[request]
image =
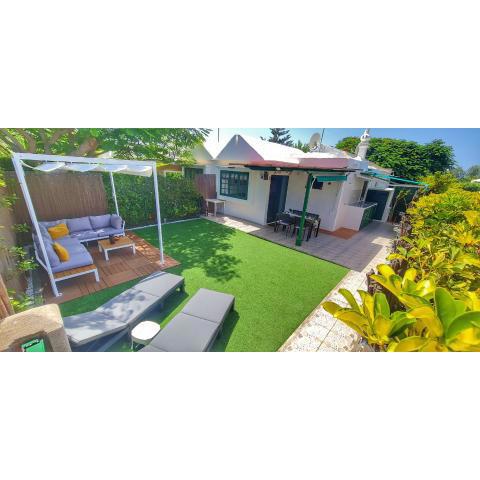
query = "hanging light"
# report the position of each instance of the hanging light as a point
(49, 166)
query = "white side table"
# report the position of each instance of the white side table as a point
(215, 202)
(144, 332)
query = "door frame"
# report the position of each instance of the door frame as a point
(283, 194)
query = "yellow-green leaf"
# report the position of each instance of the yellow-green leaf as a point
(410, 344)
(350, 299)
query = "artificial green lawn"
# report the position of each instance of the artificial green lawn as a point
(275, 287)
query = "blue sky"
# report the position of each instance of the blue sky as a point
(465, 141)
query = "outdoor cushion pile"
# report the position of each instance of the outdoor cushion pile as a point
(79, 230)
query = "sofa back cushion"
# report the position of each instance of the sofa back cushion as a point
(52, 256)
(100, 221)
(116, 221)
(79, 224)
(51, 223)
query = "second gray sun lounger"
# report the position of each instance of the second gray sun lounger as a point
(196, 327)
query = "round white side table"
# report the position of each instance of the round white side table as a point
(144, 332)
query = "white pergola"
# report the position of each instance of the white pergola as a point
(51, 163)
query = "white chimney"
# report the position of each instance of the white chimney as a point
(362, 147)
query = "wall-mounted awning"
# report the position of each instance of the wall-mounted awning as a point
(332, 178)
(383, 176)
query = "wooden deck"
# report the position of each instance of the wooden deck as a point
(122, 267)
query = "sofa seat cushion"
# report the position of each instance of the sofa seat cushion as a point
(80, 259)
(84, 235)
(106, 232)
(74, 248)
(86, 327)
(100, 221)
(69, 242)
(185, 333)
(209, 305)
(79, 224)
(129, 306)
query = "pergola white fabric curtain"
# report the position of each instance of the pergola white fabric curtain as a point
(51, 163)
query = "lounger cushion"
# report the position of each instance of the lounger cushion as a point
(185, 333)
(84, 235)
(210, 305)
(79, 259)
(150, 348)
(100, 221)
(159, 284)
(107, 231)
(129, 306)
(79, 224)
(122, 311)
(86, 327)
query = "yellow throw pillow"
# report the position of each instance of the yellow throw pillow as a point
(58, 231)
(62, 252)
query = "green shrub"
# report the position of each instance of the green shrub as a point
(471, 187)
(434, 304)
(179, 198)
(440, 182)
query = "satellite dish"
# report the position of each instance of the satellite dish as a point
(314, 142)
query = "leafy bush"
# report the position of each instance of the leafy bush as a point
(179, 198)
(440, 182)
(432, 319)
(471, 187)
(428, 298)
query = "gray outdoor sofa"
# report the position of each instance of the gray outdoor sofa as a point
(197, 326)
(81, 230)
(122, 312)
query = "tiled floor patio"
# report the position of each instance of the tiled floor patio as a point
(353, 251)
(121, 267)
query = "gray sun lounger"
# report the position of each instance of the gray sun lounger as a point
(123, 311)
(196, 327)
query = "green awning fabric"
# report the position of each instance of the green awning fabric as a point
(397, 179)
(333, 178)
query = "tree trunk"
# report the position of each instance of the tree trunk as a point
(6, 308)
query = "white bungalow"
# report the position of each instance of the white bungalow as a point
(258, 179)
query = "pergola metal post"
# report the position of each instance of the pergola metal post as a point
(308, 188)
(31, 210)
(114, 192)
(159, 217)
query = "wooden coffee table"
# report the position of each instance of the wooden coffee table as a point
(122, 242)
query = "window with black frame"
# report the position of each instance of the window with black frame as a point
(234, 184)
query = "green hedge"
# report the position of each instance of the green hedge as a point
(179, 198)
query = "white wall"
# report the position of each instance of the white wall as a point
(322, 202)
(254, 208)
